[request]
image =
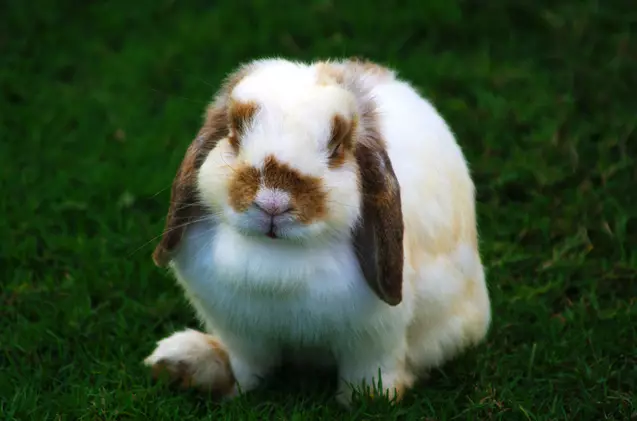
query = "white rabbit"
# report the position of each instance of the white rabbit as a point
(324, 213)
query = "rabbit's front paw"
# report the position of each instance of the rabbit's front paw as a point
(194, 360)
(385, 380)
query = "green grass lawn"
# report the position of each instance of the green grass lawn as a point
(100, 100)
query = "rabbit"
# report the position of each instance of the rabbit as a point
(324, 214)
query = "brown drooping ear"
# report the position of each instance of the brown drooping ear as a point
(184, 205)
(378, 240)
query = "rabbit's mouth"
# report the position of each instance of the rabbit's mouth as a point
(283, 227)
(271, 233)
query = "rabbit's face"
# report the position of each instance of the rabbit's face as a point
(287, 169)
(294, 153)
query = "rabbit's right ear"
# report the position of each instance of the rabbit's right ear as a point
(185, 206)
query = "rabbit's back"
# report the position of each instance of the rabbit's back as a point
(443, 268)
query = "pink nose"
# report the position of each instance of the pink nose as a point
(273, 202)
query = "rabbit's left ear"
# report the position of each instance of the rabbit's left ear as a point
(378, 239)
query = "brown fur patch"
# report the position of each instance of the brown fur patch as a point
(308, 199)
(243, 187)
(241, 114)
(307, 195)
(224, 387)
(341, 141)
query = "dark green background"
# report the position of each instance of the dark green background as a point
(101, 98)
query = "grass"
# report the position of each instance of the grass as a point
(100, 100)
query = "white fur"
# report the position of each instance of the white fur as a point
(267, 298)
(191, 351)
(296, 113)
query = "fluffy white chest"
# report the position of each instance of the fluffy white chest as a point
(287, 294)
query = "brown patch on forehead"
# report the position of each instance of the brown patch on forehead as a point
(240, 116)
(241, 113)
